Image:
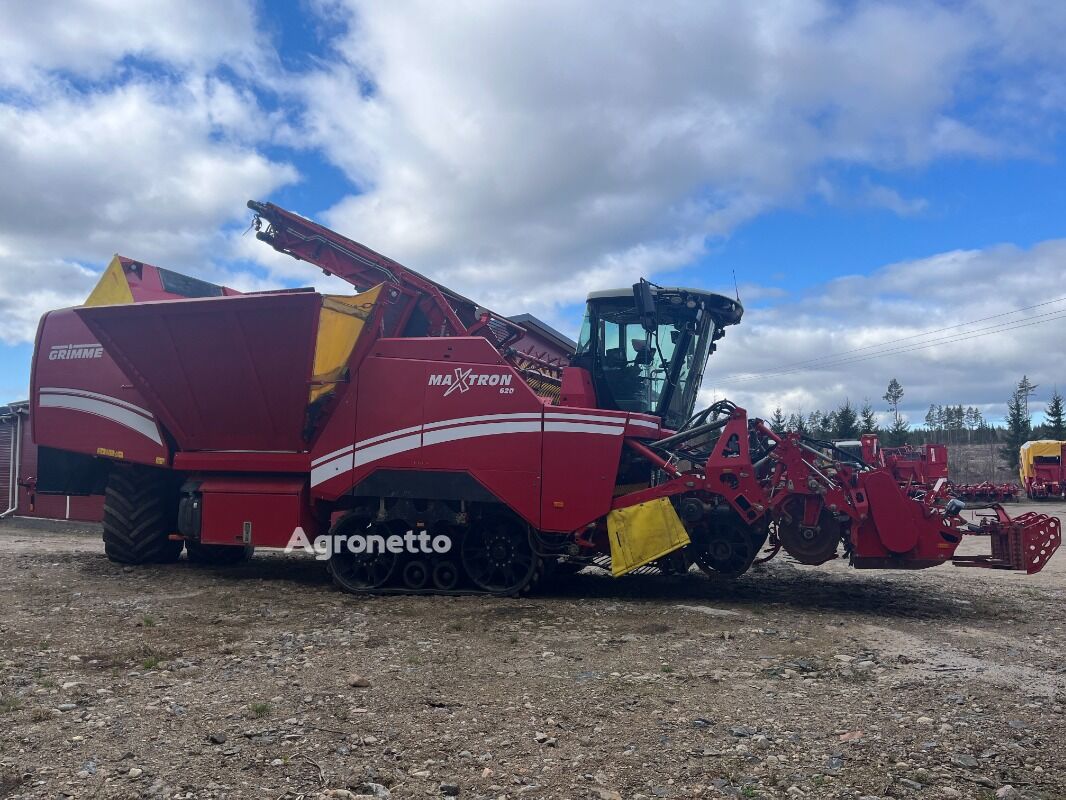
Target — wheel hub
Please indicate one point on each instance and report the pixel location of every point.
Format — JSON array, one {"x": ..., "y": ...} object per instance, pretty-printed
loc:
[
  {"x": 497, "y": 555},
  {"x": 810, "y": 544}
]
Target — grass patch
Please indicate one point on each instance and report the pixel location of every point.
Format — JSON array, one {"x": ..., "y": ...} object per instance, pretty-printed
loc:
[
  {"x": 9, "y": 703},
  {"x": 151, "y": 662},
  {"x": 260, "y": 710},
  {"x": 148, "y": 620},
  {"x": 858, "y": 676}
]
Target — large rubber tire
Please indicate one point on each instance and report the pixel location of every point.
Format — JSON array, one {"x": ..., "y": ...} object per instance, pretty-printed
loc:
[
  {"x": 222, "y": 555},
  {"x": 140, "y": 514}
]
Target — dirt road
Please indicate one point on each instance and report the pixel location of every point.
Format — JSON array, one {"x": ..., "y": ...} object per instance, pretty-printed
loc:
[{"x": 262, "y": 681}]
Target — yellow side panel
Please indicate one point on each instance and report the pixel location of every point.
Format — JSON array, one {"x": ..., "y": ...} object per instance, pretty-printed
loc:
[
  {"x": 1030, "y": 450},
  {"x": 643, "y": 533},
  {"x": 112, "y": 288},
  {"x": 340, "y": 322}
]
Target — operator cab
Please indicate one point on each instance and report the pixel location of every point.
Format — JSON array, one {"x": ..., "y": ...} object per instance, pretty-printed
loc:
[{"x": 646, "y": 347}]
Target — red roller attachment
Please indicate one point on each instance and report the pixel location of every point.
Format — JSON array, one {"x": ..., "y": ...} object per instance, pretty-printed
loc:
[
  {"x": 1024, "y": 544},
  {"x": 987, "y": 491}
]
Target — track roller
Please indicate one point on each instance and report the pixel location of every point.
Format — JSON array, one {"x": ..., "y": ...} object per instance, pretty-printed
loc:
[
  {"x": 361, "y": 572},
  {"x": 416, "y": 575},
  {"x": 445, "y": 575}
]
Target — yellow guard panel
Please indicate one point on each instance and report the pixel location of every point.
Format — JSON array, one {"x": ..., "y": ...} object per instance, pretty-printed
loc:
[
  {"x": 112, "y": 289},
  {"x": 643, "y": 533},
  {"x": 339, "y": 324}
]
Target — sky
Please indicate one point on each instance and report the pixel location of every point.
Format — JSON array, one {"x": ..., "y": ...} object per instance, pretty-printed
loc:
[{"x": 862, "y": 173}]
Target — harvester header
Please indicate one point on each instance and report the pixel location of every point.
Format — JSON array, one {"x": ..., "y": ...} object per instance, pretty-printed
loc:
[{"x": 215, "y": 422}]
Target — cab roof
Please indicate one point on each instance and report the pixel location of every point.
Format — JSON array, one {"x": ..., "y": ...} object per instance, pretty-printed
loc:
[{"x": 727, "y": 310}]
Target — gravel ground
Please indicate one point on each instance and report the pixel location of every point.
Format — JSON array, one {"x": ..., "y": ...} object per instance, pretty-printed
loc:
[{"x": 262, "y": 681}]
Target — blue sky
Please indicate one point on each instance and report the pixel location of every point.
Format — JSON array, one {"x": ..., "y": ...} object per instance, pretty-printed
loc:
[
  {"x": 868, "y": 171},
  {"x": 971, "y": 204}
]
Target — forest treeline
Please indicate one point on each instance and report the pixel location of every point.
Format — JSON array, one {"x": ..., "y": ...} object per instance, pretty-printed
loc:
[{"x": 947, "y": 424}]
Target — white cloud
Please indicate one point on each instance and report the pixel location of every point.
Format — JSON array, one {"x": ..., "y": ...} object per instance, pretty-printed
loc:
[
  {"x": 888, "y": 198},
  {"x": 32, "y": 286},
  {"x": 868, "y": 195},
  {"x": 88, "y": 38},
  {"x": 520, "y": 151},
  {"x": 138, "y": 169},
  {"x": 146, "y": 165},
  {"x": 812, "y": 352}
]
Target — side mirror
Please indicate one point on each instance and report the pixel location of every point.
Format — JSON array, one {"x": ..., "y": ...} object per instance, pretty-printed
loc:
[{"x": 644, "y": 299}]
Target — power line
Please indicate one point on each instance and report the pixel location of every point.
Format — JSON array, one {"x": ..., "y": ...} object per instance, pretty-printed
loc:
[
  {"x": 834, "y": 356},
  {"x": 976, "y": 334},
  {"x": 1038, "y": 319}
]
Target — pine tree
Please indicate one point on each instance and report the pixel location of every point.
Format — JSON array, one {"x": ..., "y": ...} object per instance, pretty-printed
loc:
[
  {"x": 829, "y": 425},
  {"x": 867, "y": 419},
  {"x": 969, "y": 419},
  {"x": 814, "y": 424},
  {"x": 953, "y": 416},
  {"x": 777, "y": 421},
  {"x": 931, "y": 420},
  {"x": 846, "y": 423},
  {"x": 1053, "y": 417},
  {"x": 897, "y": 434},
  {"x": 798, "y": 423},
  {"x": 1026, "y": 389},
  {"x": 1018, "y": 425},
  {"x": 892, "y": 396}
]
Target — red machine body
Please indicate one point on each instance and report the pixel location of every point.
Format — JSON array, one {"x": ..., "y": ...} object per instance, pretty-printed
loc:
[
  {"x": 213, "y": 411},
  {"x": 920, "y": 466},
  {"x": 1048, "y": 483},
  {"x": 918, "y": 469},
  {"x": 1042, "y": 469}
]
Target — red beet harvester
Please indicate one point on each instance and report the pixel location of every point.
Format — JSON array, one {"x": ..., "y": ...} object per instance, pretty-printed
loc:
[{"x": 217, "y": 421}]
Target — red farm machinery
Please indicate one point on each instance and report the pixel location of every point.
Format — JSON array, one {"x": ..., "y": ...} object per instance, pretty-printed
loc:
[
  {"x": 986, "y": 491},
  {"x": 1041, "y": 469},
  {"x": 215, "y": 422},
  {"x": 919, "y": 469},
  {"x": 913, "y": 467}
]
